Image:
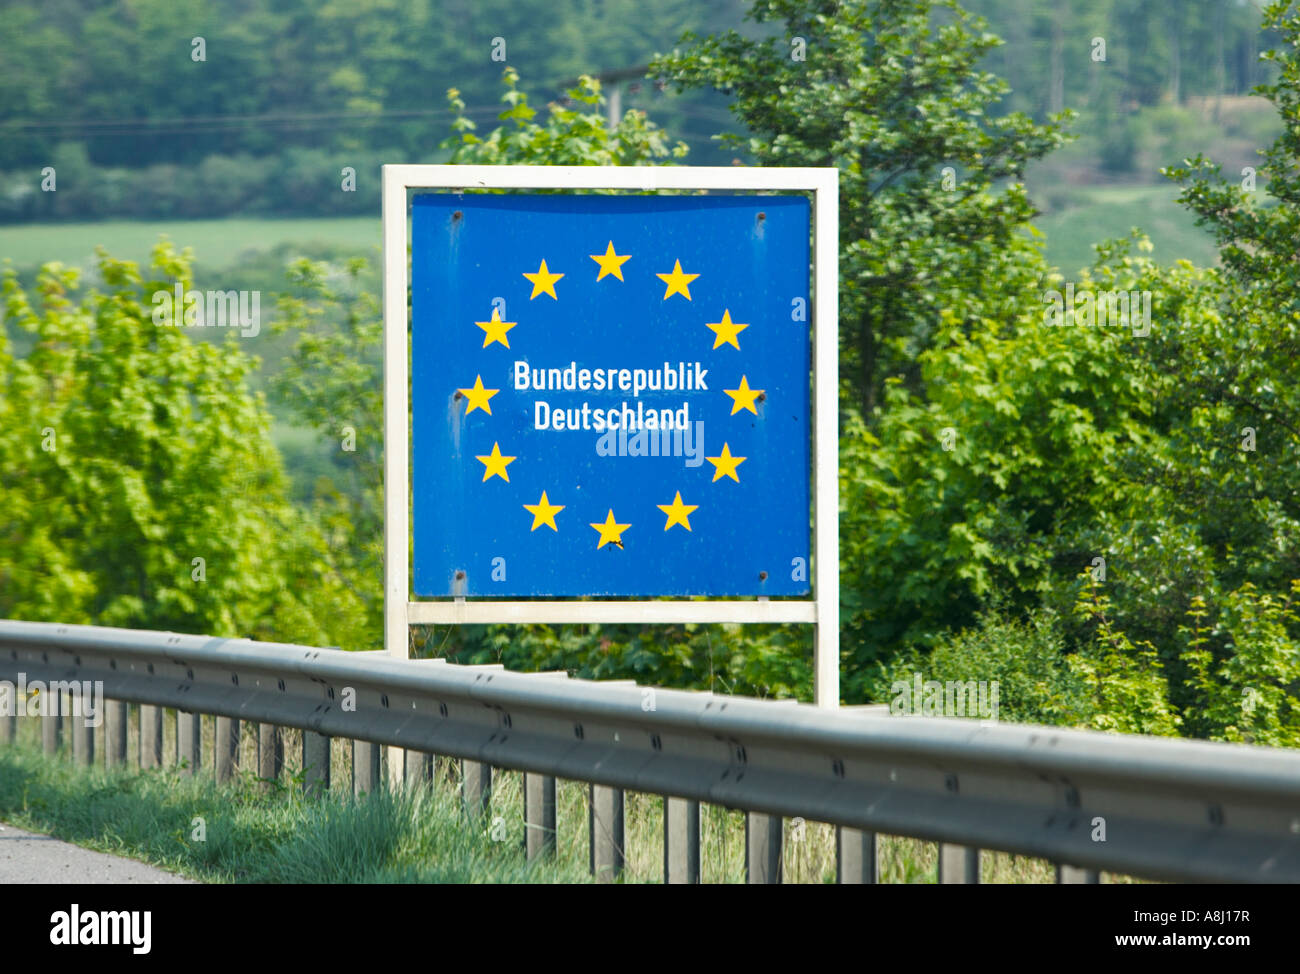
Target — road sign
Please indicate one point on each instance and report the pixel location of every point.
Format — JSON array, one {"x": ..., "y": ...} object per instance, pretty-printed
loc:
[
  {"x": 537, "y": 322},
  {"x": 610, "y": 395}
]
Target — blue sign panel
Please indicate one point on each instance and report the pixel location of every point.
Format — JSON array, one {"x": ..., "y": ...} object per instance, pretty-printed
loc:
[{"x": 610, "y": 395}]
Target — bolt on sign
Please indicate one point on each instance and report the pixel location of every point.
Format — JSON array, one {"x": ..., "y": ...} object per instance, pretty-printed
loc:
[{"x": 611, "y": 397}]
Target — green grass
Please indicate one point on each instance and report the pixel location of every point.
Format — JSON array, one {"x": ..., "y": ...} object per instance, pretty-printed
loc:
[
  {"x": 416, "y": 836},
  {"x": 1095, "y": 213},
  {"x": 217, "y": 243}
]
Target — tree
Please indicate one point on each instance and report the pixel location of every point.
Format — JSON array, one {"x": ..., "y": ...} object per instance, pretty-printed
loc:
[
  {"x": 138, "y": 483},
  {"x": 1239, "y": 446},
  {"x": 932, "y": 211},
  {"x": 574, "y": 134}
]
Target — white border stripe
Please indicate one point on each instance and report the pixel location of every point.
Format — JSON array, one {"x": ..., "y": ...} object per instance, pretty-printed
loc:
[
  {"x": 826, "y": 440},
  {"x": 737, "y": 178},
  {"x": 468, "y": 612},
  {"x": 397, "y": 588}
]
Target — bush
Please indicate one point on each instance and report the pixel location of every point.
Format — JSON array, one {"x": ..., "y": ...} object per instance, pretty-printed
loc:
[
  {"x": 1025, "y": 656},
  {"x": 1250, "y": 690}
]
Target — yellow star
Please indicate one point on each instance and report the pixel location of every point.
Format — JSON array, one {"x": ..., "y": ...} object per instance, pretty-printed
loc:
[
  {"x": 726, "y": 464},
  {"x": 677, "y": 282},
  {"x": 543, "y": 512},
  {"x": 543, "y": 282},
  {"x": 496, "y": 329},
  {"x": 610, "y": 531},
  {"x": 494, "y": 464},
  {"x": 478, "y": 396},
  {"x": 743, "y": 398},
  {"x": 726, "y": 331},
  {"x": 677, "y": 512},
  {"x": 610, "y": 262}
]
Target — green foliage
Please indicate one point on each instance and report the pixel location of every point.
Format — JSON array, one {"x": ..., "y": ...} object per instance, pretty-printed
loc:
[
  {"x": 1079, "y": 442},
  {"x": 1242, "y": 376},
  {"x": 334, "y": 77},
  {"x": 331, "y": 381},
  {"x": 1157, "y": 52},
  {"x": 1119, "y": 147},
  {"x": 1250, "y": 692},
  {"x": 992, "y": 476},
  {"x": 762, "y": 661},
  {"x": 1247, "y": 691},
  {"x": 1026, "y": 657},
  {"x": 1124, "y": 682},
  {"x": 127, "y": 450},
  {"x": 571, "y": 136},
  {"x": 295, "y": 181}
]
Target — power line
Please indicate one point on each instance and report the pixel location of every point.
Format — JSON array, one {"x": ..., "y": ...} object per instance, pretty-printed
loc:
[
  {"x": 177, "y": 123},
  {"x": 233, "y": 122},
  {"x": 293, "y": 121}
]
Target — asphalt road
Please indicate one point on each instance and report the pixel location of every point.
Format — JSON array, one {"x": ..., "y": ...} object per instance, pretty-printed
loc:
[{"x": 29, "y": 858}]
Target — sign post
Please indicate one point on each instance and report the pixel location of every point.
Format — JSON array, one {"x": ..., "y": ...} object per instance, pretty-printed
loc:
[{"x": 620, "y": 397}]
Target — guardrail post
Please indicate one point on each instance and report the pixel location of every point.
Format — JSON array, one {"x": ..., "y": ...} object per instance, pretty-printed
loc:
[
  {"x": 763, "y": 838},
  {"x": 1076, "y": 874},
  {"x": 115, "y": 712},
  {"x": 605, "y": 831},
  {"x": 681, "y": 840},
  {"x": 189, "y": 737},
  {"x": 315, "y": 763},
  {"x": 151, "y": 736},
  {"x": 855, "y": 856},
  {"x": 539, "y": 815},
  {"x": 226, "y": 748},
  {"x": 270, "y": 754},
  {"x": 168, "y": 715},
  {"x": 83, "y": 737},
  {"x": 958, "y": 863},
  {"x": 419, "y": 768},
  {"x": 51, "y": 732},
  {"x": 365, "y": 768},
  {"x": 475, "y": 787}
]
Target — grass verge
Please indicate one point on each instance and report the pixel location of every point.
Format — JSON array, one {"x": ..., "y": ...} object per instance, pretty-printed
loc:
[{"x": 236, "y": 833}]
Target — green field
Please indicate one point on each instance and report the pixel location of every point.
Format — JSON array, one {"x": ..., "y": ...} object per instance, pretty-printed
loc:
[
  {"x": 1095, "y": 213},
  {"x": 217, "y": 243},
  {"x": 1089, "y": 214}
]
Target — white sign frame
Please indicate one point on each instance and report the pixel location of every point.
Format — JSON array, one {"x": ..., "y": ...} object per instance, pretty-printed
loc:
[{"x": 822, "y": 609}]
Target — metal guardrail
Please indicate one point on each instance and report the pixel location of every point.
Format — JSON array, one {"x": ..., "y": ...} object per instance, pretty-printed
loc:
[{"x": 1148, "y": 807}]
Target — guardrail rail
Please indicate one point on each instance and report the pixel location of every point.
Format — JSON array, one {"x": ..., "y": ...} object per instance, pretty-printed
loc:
[{"x": 1169, "y": 809}]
